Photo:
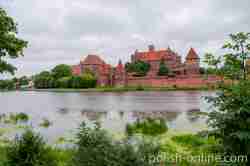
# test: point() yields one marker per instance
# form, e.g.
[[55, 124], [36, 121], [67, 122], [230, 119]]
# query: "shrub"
[[14, 118], [189, 139], [96, 148], [44, 80], [140, 88], [64, 82], [61, 71], [163, 69], [140, 68], [88, 80], [230, 118], [148, 127], [29, 150], [22, 117], [7, 84], [75, 82], [45, 123]]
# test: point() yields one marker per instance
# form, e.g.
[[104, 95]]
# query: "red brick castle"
[[185, 73]]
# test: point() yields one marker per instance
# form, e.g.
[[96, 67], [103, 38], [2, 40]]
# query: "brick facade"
[[185, 74]]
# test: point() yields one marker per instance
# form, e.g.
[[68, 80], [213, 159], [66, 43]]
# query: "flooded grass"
[[46, 123]]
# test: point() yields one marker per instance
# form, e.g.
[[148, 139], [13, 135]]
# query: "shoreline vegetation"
[[123, 89], [144, 141]]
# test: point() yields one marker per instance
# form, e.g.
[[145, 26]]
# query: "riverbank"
[[124, 89], [171, 143]]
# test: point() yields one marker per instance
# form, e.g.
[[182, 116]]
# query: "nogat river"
[[113, 111]]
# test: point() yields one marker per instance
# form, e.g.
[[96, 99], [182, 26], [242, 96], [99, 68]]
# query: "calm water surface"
[[112, 110]]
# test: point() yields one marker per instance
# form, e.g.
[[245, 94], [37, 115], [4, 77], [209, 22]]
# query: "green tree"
[[10, 45], [213, 64], [232, 64], [7, 84], [44, 80], [95, 147], [29, 150], [239, 47], [88, 80], [76, 82], [24, 80], [230, 117], [140, 68], [61, 70], [163, 69], [64, 82]]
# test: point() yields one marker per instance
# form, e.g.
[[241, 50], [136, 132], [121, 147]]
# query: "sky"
[[66, 31]]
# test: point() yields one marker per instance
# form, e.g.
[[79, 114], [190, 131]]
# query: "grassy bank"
[[124, 89], [171, 144]]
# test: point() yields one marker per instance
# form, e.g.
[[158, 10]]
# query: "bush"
[[44, 80], [14, 118], [88, 80], [7, 84], [64, 82], [189, 139], [45, 123], [140, 88], [61, 71], [29, 150], [163, 69], [140, 68], [96, 148], [75, 82], [230, 118], [148, 127]]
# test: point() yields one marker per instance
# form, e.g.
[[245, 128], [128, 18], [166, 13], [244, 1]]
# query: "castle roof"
[[93, 60], [192, 54], [155, 55]]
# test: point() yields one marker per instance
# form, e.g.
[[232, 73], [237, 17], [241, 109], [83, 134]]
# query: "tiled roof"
[[92, 60], [192, 54], [155, 55]]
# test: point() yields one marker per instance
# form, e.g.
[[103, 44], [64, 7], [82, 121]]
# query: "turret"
[[192, 62], [151, 48]]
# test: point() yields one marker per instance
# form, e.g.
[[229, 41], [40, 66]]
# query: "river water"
[[113, 110]]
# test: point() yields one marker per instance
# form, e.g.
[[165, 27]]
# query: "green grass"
[[14, 118], [45, 123], [188, 144], [148, 126], [125, 89], [171, 142]]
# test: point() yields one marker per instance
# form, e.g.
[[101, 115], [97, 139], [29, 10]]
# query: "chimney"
[[151, 47]]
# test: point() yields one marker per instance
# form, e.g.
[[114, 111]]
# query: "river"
[[113, 110]]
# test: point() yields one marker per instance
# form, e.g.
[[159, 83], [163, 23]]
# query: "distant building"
[[187, 72], [172, 61], [97, 66]]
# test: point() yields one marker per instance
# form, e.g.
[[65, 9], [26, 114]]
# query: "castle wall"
[[192, 82]]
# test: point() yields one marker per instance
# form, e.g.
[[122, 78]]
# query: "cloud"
[[62, 31]]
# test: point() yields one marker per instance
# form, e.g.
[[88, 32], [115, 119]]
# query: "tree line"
[[61, 77]]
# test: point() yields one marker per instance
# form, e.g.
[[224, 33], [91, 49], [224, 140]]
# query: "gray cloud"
[[63, 31]]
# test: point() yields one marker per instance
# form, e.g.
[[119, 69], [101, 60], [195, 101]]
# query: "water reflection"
[[167, 115], [93, 115], [194, 115], [113, 110], [63, 111]]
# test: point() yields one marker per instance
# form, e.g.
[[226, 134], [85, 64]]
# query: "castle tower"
[[120, 75], [151, 48], [192, 63]]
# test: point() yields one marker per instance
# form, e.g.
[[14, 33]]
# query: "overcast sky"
[[65, 31]]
